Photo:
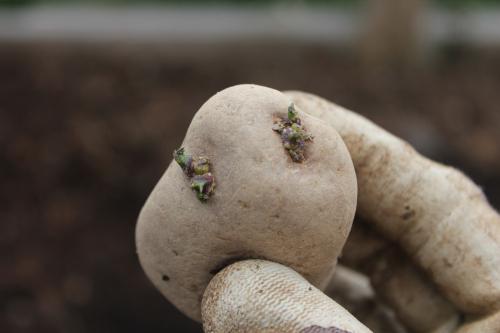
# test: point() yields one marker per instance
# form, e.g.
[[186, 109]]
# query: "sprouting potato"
[[291, 207]]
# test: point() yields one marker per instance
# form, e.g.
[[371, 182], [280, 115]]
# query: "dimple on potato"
[[265, 205]]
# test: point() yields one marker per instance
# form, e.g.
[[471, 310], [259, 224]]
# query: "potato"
[[264, 205]]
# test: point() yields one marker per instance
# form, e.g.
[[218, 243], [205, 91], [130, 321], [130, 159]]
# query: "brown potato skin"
[[265, 206]]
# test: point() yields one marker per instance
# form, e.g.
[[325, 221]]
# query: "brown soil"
[[87, 130]]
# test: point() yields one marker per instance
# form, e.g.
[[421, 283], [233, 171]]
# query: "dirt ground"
[[87, 130]]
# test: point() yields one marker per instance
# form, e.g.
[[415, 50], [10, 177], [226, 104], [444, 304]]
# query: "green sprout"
[[201, 166], [198, 170], [184, 160], [203, 185], [292, 113], [293, 134]]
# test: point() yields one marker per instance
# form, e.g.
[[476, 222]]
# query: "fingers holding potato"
[[265, 175]]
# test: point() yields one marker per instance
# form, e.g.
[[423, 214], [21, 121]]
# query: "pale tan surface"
[[257, 296], [398, 283], [264, 206], [434, 213], [352, 290], [488, 324]]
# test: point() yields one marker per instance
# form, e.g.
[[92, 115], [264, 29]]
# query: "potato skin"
[[264, 206]]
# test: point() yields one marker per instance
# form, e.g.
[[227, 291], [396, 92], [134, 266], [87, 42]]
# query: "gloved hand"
[[426, 236]]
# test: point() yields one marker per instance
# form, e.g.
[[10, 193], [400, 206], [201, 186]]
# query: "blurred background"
[[94, 97]]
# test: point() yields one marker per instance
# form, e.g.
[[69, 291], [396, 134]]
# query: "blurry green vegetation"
[[445, 3], [179, 2]]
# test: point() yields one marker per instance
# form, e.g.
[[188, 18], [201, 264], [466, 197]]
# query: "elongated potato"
[[264, 205]]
